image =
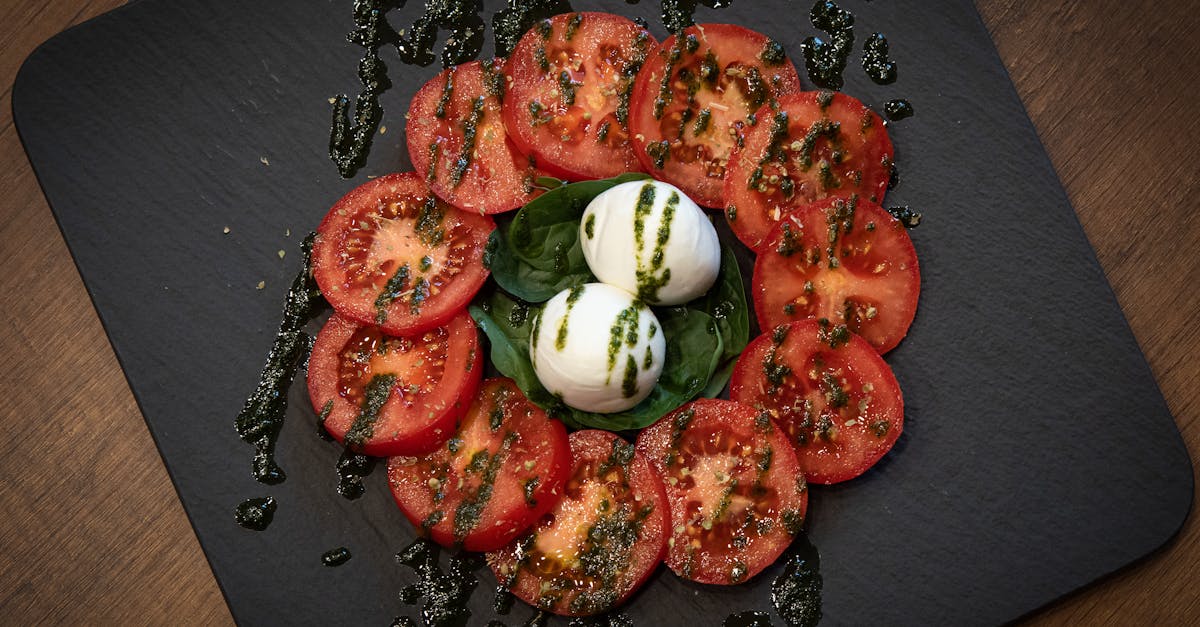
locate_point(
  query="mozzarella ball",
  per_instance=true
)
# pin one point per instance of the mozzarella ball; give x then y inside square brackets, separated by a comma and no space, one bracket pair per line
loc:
[650,239]
[597,347]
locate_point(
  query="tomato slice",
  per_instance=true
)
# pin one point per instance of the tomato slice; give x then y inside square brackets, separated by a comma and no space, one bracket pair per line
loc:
[845,260]
[812,146]
[383,395]
[504,467]
[695,96]
[390,253]
[568,100]
[833,395]
[601,541]
[457,142]
[736,492]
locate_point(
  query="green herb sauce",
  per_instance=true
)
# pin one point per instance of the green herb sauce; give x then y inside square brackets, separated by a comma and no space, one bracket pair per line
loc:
[875,61]
[796,592]
[445,592]
[261,418]
[377,393]
[352,468]
[336,557]
[826,60]
[255,514]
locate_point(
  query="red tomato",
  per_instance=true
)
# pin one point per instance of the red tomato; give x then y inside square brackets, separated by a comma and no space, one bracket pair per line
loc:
[568,101]
[390,253]
[829,390]
[600,542]
[457,142]
[695,96]
[503,468]
[382,395]
[737,494]
[847,261]
[812,146]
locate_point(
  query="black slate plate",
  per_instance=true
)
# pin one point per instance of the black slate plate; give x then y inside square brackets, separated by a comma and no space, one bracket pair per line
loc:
[1038,454]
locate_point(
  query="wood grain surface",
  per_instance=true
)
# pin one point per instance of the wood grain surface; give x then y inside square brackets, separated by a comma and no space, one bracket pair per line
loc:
[91,531]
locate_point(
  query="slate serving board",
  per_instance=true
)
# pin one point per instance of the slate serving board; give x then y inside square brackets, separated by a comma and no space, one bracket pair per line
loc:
[1038,453]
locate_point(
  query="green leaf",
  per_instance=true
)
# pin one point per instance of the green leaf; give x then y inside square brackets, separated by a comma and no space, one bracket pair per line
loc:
[726,303]
[535,253]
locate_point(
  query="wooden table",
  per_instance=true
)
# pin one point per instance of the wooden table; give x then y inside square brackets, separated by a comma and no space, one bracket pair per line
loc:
[93,532]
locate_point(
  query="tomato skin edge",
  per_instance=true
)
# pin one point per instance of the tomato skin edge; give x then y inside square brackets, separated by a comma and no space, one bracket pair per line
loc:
[761,260]
[488,536]
[327,270]
[321,381]
[743,381]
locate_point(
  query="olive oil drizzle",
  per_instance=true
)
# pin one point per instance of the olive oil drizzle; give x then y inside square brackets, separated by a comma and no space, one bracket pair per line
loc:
[261,418]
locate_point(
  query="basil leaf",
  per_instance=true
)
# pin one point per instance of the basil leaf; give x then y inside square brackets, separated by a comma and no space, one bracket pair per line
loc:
[535,253]
[726,303]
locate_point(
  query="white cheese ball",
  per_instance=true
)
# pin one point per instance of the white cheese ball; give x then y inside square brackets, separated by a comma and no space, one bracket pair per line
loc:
[597,347]
[650,239]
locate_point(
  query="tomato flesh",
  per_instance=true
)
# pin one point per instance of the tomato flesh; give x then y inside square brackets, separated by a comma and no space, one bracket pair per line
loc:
[457,141]
[390,253]
[833,395]
[813,145]
[568,100]
[384,395]
[503,468]
[847,261]
[600,542]
[696,95]
[737,496]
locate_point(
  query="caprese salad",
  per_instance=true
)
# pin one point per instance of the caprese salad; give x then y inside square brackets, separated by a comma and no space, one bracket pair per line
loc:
[612,311]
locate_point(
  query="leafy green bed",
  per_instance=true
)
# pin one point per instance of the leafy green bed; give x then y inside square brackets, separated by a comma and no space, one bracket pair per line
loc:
[535,253]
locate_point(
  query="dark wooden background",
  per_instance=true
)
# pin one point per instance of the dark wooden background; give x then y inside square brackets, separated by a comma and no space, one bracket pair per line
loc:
[91,531]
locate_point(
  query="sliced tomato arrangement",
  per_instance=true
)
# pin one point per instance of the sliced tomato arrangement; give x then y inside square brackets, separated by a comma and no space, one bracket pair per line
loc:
[845,260]
[601,541]
[390,253]
[736,492]
[568,101]
[457,142]
[829,390]
[503,468]
[809,146]
[696,94]
[382,395]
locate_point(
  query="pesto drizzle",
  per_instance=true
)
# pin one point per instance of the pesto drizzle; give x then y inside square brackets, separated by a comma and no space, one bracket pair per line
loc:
[796,592]
[509,23]
[255,514]
[349,143]
[352,468]
[826,60]
[875,61]
[336,557]
[377,393]
[446,593]
[261,417]
[651,276]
